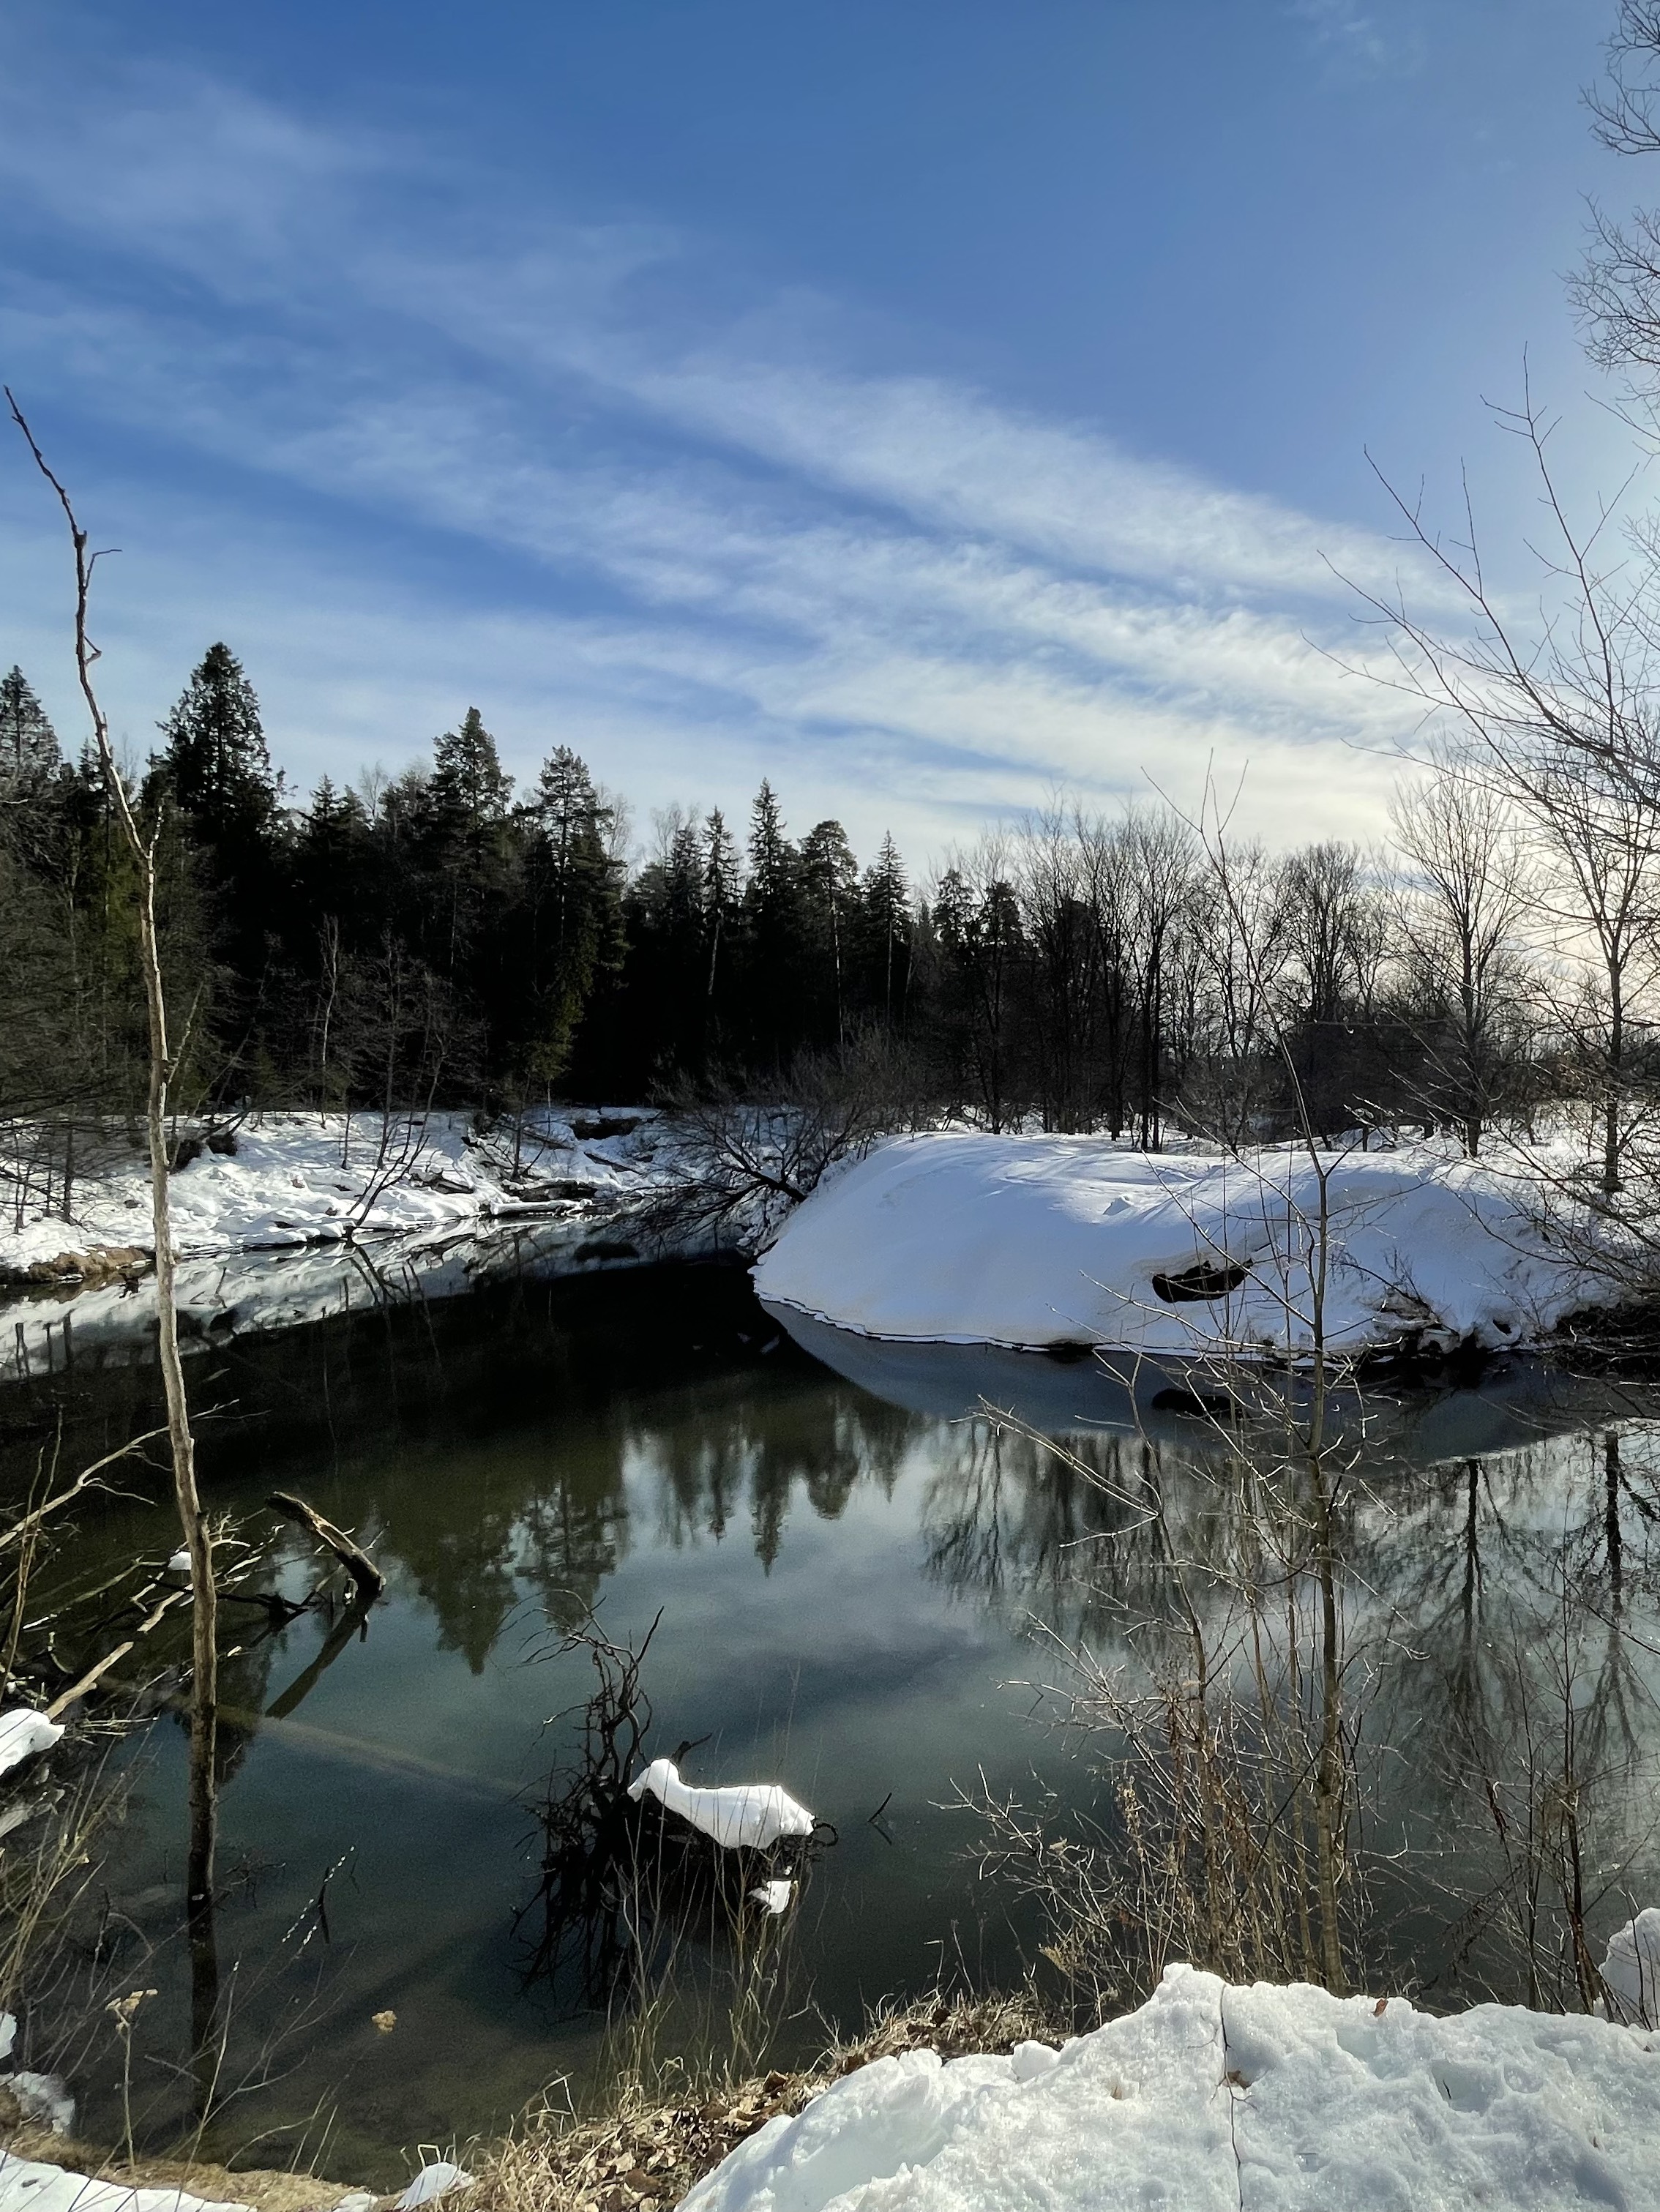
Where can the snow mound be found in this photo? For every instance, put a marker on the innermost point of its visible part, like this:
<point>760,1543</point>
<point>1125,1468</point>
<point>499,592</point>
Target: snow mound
<point>1210,2097</point>
<point>1031,1241</point>
<point>752,1817</point>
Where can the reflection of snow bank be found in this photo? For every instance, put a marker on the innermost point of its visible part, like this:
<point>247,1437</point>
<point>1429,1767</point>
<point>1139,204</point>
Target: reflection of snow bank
<point>1210,2097</point>
<point>752,1817</point>
<point>969,1238</point>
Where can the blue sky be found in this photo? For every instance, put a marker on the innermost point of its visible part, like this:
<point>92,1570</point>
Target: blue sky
<point>925,403</point>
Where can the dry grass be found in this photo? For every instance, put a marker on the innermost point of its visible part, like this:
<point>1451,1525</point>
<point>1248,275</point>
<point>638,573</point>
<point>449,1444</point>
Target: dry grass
<point>651,2148</point>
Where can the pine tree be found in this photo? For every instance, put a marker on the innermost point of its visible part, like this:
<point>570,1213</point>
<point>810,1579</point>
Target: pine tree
<point>28,743</point>
<point>830,885</point>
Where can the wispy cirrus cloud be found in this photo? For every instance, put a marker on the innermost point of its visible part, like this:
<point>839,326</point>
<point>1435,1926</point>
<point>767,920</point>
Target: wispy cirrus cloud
<point>1355,38</point>
<point>699,552</point>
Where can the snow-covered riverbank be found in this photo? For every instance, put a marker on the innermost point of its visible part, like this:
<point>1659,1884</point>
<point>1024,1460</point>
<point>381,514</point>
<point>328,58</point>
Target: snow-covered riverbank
<point>1213,2096</point>
<point>1039,1241</point>
<point>282,1181</point>
<point>309,1216</point>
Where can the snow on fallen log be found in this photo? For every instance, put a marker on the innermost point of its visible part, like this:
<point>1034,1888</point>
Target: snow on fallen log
<point>23,1733</point>
<point>1211,2096</point>
<point>967,1238</point>
<point>752,1816</point>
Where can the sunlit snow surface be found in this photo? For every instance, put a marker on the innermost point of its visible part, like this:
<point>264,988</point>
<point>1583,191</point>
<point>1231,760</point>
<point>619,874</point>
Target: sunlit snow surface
<point>1209,2097</point>
<point>1018,1240</point>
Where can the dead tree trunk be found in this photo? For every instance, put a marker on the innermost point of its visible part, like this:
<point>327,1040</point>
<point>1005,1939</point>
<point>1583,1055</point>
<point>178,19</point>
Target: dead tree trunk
<point>205,1639</point>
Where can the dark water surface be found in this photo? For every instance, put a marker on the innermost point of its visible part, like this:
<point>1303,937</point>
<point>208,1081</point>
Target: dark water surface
<point>847,1568</point>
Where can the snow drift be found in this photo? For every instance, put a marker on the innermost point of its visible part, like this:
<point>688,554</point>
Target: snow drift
<point>1209,2097</point>
<point>1041,1241</point>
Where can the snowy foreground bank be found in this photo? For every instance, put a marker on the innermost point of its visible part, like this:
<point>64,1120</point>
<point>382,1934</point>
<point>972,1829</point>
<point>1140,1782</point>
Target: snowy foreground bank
<point>1034,1241</point>
<point>1211,2097</point>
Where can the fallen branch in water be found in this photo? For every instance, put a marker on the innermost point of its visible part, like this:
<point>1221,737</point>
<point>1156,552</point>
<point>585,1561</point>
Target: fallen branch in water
<point>356,1560</point>
<point>96,1673</point>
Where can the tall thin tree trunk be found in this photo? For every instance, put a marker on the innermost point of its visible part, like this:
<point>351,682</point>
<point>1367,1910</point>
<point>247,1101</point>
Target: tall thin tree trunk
<point>205,1639</point>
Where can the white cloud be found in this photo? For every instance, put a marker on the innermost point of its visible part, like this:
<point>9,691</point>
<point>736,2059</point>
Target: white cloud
<point>899,597</point>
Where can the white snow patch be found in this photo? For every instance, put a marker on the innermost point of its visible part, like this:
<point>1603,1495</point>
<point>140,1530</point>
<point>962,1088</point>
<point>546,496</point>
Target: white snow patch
<point>43,2098</point>
<point>301,1179</point>
<point>23,1733</point>
<point>968,1239</point>
<point>1209,2097</point>
<point>437,2179</point>
<point>752,1817</point>
<point>774,1897</point>
<point>1631,1971</point>
<point>31,2186</point>
<point>279,1233</point>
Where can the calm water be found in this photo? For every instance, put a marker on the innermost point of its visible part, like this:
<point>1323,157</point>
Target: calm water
<point>847,1565</point>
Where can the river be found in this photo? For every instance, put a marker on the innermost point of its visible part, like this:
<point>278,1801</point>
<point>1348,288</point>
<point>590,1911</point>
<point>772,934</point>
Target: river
<point>855,1575</point>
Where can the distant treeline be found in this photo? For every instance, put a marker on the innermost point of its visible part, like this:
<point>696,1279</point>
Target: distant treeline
<point>437,938</point>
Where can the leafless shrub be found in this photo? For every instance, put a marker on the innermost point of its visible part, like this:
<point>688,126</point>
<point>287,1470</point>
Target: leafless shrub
<point>748,1161</point>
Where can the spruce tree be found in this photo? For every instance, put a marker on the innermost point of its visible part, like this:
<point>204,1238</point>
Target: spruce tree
<point>213,762</point>
<point>462,886</point>
<point>830,883</point>
<point>470,789</point>
<point>214,769</point>
<point>28,743</point>
<point>885,931</point>
<point>719,902</point>
<point>772,919</point>
<point>573,911</point>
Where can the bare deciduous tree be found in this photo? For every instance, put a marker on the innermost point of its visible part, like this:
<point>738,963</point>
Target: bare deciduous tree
<point>164,1049</point>
<point>1459,918</point>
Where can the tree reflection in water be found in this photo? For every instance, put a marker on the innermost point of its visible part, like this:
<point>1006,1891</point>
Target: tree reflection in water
<point>1501,1656</point>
